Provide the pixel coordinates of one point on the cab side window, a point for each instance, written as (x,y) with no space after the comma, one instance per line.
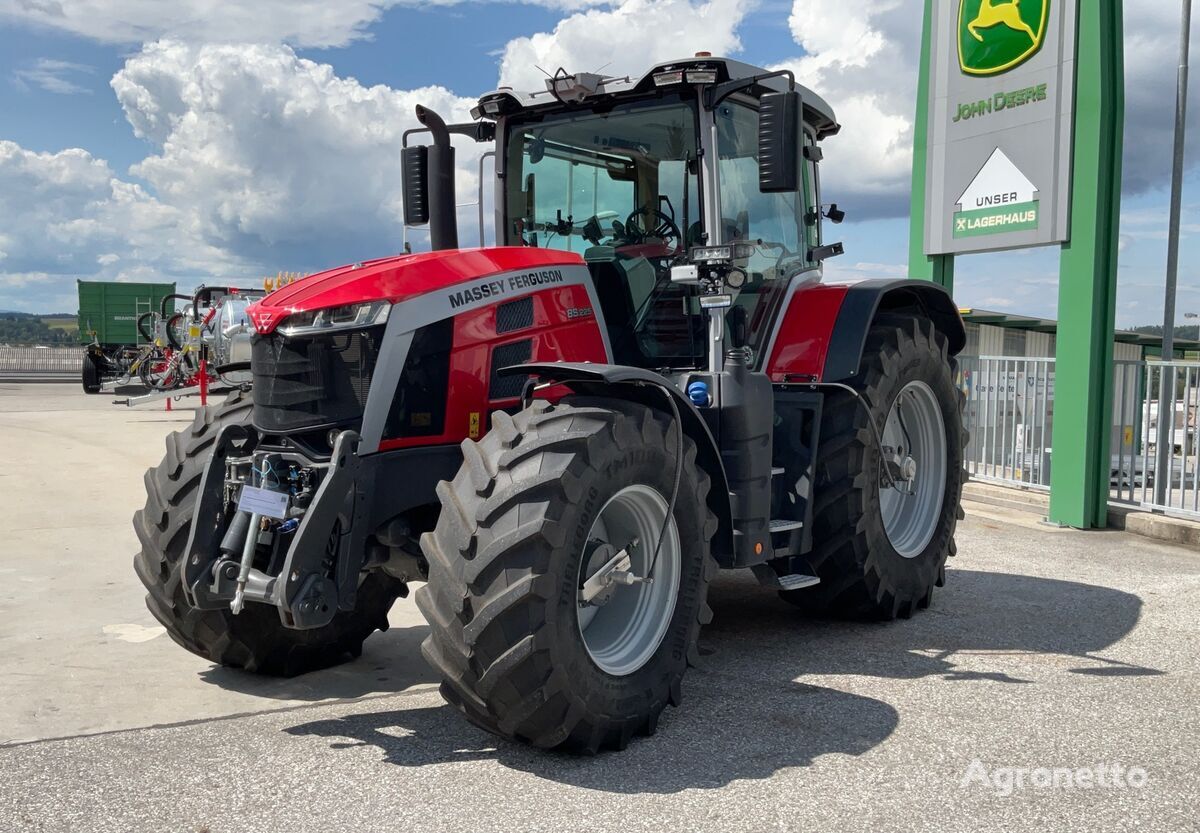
(812,197)
(771,221)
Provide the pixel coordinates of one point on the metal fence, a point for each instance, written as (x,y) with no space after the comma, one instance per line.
(34,362)
(1146,392)
(1010,416)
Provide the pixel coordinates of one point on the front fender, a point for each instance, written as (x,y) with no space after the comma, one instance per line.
(635,384)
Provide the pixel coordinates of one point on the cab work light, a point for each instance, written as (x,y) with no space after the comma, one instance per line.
(664,79)
(719,254)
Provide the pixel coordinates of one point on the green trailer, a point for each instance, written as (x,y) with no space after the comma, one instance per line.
(108,311)
(108,325)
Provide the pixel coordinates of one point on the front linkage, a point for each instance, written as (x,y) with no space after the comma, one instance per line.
(321,519)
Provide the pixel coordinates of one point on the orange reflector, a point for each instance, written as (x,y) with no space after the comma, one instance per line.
(758,549)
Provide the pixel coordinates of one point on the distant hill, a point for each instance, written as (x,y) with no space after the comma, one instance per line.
(47,315)
(26,328)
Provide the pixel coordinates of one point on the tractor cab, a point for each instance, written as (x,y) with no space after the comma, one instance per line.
(704,162)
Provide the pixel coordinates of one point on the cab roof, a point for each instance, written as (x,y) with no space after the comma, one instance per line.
(506,101)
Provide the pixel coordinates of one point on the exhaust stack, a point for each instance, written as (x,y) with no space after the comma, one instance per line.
(443,217)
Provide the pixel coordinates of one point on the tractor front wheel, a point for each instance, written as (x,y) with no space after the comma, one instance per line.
(256,639)
(542,623)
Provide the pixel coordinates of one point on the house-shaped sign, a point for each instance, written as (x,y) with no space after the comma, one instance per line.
(999,199)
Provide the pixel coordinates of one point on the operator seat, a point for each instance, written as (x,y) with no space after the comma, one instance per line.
(616,304)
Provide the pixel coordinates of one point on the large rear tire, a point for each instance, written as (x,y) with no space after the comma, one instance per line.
(523,525)
(255,639)
(878,550)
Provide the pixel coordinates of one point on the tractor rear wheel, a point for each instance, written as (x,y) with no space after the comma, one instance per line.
(255,639)
(540,630)
(883,524)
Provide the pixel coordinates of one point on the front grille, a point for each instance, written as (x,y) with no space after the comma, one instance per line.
(307,382)
(506,355)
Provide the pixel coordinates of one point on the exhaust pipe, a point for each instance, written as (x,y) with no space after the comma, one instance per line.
(443,216)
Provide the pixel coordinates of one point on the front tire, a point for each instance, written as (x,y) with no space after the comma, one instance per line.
(879,554)
(513,546)
(255,639)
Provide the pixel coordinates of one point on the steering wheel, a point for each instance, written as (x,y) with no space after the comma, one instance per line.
(664,227)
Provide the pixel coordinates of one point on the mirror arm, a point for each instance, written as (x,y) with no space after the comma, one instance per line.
(717,93)
(479,131)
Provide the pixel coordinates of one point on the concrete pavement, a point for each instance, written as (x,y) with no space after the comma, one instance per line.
(1047,648)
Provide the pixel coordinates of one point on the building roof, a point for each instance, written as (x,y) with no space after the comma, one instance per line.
(1049,325)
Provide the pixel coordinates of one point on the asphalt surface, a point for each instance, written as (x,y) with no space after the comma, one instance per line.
(1047,648)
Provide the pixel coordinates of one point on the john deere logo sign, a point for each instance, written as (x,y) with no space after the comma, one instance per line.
(995,36)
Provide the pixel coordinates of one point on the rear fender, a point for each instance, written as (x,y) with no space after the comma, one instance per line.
(645,387)
(865,301)
(823,330)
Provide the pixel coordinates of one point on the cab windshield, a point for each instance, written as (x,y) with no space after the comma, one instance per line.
(622,177)
(621,188)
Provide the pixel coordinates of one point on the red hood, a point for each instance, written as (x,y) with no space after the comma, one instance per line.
(397,279)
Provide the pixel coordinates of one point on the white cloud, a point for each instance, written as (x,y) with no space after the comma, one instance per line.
(315,23)
(628,37)
(862,57)
(54,76)
(305,22)
(65,213)
(267,154)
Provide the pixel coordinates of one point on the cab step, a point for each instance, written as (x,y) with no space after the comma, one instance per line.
(781,525)
(797,582)
(767,577)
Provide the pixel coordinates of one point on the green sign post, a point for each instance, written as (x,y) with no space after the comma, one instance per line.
(1016,33)
(1087,281)
(936,268)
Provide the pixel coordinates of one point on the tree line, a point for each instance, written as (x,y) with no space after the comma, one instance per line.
(23,328)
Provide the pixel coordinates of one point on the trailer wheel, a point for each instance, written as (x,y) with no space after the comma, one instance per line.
(90,374)
(883,528)
(525,647)
(255,639)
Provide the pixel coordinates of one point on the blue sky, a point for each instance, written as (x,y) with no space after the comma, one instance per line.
(135,145)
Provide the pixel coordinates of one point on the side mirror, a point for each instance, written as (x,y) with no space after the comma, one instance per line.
(414,164)
(780,133)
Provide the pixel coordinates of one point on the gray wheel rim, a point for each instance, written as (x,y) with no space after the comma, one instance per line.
(914,432)
(622,634)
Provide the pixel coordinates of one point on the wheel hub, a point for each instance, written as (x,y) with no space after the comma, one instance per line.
(623,611)
(914,486)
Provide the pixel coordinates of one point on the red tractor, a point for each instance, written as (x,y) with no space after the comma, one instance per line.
(566,435)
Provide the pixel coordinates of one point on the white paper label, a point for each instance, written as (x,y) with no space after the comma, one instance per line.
(263,502)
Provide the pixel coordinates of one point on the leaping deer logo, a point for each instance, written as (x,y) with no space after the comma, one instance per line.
(1008,14)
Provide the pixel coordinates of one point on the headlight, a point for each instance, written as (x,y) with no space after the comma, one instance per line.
(349,317)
